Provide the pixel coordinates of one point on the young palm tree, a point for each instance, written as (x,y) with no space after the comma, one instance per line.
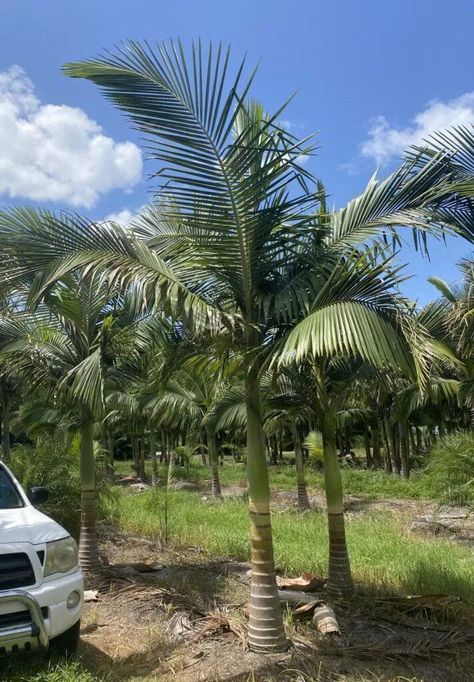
(191,391)
(63,348)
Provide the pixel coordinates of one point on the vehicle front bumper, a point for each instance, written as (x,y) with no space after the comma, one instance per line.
(49,614)
(26,634)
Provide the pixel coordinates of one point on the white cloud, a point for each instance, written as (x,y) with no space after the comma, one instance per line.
(52,152)
(386,141)
(290,125)
(123,217)
(350,168)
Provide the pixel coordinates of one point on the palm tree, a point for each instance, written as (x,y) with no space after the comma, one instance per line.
(63,348)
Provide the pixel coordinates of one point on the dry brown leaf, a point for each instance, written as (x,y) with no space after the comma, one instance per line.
(306,608)
(324,620)
(308,582)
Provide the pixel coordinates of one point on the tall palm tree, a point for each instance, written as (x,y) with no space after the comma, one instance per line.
(64,347)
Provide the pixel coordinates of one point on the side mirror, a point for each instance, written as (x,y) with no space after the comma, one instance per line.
(38,494)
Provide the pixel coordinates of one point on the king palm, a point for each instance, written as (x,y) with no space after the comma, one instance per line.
(232,242)
(63,347)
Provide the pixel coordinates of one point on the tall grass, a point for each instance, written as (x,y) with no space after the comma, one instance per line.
(360,482)
(384,554)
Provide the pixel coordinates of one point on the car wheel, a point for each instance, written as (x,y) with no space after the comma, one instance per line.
(66,643)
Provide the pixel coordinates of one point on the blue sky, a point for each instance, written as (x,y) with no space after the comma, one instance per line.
(370,77)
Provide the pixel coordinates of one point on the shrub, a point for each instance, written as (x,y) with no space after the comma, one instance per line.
(314,445)
(450,468)
(52,464)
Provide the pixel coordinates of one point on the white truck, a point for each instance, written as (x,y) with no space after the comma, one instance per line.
(41,585)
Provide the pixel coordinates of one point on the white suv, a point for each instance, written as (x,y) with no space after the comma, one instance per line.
(41,585)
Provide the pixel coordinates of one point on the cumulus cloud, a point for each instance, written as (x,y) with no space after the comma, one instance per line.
(123,217)
(386,141)
(52,152)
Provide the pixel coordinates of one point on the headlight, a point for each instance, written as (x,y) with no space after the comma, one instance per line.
(61,556)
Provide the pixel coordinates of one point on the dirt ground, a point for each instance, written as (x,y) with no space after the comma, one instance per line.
(173,615)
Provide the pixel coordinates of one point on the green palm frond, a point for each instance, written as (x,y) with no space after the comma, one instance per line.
(349,328)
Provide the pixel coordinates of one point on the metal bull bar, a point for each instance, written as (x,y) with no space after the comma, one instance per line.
(33,632)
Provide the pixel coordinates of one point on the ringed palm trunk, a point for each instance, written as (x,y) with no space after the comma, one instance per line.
(266,630)
(303,501)
(340,583)
(214,463)
(88,551)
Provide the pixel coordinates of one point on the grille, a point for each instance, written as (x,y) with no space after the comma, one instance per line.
(15,571)
(19,617)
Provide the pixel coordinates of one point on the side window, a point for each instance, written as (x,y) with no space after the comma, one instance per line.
(9,495)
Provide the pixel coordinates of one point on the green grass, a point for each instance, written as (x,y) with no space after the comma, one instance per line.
(383,553)
(360,482)
(32,668)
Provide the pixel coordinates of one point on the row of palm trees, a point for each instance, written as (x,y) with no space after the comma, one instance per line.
(236,299)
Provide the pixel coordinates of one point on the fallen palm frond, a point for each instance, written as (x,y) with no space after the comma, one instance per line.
(308,582)
(420,601)
(295,599)
(217,622)
(425,646)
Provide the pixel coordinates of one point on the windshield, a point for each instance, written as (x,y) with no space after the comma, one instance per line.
(9,495)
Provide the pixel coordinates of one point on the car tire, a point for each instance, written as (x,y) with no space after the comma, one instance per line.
(66,643)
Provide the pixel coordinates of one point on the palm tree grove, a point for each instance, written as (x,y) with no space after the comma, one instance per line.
(259,437)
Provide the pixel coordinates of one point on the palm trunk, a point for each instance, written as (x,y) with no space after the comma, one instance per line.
(412,441)
(203,453)
(340,580)
(88,551)
(141,457)
(368,454)
(214,463)
(266,630)
(110,463)
(393,447)
(387,459)
(5,428)
(376,446)
(404,450)
(154,462)
(303,501)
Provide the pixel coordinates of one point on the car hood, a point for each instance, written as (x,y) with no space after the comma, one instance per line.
(27,524)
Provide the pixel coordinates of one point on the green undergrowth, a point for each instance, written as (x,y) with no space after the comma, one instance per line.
(360,482)
(32,668)
(385,556)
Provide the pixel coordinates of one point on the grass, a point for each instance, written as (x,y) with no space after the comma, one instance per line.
(360,482)
(33,669)
(385,557)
